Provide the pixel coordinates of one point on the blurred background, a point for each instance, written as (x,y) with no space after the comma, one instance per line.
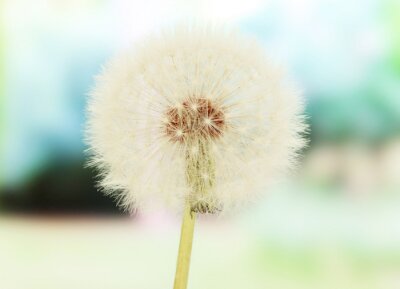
(335,225)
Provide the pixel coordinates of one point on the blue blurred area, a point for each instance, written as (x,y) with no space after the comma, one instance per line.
(50,61)
(48,77)
(342,56)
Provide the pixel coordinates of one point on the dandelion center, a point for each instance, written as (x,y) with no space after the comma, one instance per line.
(193,118)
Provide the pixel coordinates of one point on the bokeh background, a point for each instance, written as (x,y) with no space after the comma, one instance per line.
(336,224)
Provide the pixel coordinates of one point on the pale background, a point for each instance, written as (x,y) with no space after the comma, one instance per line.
(335,225)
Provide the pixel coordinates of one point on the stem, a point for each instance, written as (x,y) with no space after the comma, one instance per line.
(185,249)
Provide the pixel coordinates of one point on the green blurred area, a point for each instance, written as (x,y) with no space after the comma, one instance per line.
(320,244)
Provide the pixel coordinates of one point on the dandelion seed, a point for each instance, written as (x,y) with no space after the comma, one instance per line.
(194,150)
(179,132)
(207,121)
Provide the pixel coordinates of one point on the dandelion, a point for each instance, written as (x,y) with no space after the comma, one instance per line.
(199,119)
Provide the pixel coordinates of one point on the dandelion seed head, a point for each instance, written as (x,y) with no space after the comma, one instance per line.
(198,115)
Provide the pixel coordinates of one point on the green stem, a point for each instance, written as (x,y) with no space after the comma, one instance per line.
(185,249)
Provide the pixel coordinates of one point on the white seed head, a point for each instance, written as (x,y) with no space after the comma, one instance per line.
(195,115)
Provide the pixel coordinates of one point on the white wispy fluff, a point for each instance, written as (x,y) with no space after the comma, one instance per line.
(198,115)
